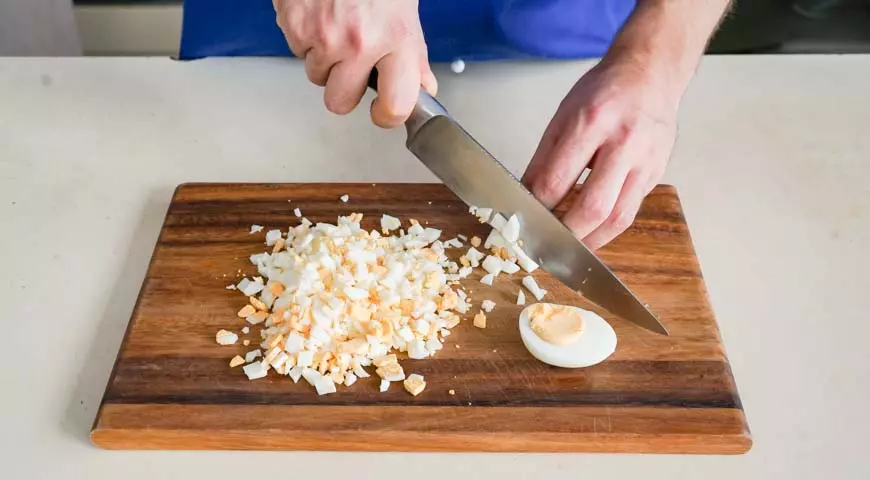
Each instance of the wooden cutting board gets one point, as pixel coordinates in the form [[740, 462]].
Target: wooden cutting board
[[172, 387]]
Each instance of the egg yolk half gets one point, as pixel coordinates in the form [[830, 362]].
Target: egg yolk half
[[556, 324]]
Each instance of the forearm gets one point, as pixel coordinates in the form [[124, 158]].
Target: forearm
[[666, 38]]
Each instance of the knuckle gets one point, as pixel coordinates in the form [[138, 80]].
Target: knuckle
[[622, 220], [357, 41], [549, 187], [324, 39], [594, 208], [599, 114]]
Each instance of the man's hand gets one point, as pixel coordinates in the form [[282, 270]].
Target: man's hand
[[342, 40], [620, 123], [620, 119]]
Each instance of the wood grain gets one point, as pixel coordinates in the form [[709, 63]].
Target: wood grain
[[172, 388]]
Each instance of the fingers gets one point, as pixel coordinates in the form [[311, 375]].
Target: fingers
[[398, 88], [318, 65], [598, 195], [428, 80], [564, 152], [346, 86], [630, 198]]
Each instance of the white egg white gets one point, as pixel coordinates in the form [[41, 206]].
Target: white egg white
[[595, 344]]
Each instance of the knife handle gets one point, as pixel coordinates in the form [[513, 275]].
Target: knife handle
[[373, 79]]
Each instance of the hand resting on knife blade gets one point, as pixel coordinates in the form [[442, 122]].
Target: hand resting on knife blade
[[619, 119]]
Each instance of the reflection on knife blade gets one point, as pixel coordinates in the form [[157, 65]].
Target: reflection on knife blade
[[478, 178]]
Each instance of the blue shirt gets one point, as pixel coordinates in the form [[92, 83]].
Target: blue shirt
[[467, 29]]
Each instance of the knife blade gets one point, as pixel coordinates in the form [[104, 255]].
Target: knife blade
[[477, 178]]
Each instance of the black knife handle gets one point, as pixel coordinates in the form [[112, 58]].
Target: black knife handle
[[373, 79]]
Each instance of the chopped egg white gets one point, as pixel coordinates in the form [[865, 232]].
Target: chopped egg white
[[385, 384], [509, 267], [225, 337], [487, 305], [414, 384], [474, 256], [256, 228], [252, 355], [324, 385], [272, 236], [295, 373], [250, 287], [297, 212], [498, 221], [530, 283], [511, 229], [487, 279], [255, 370], [494, 240], [492, 265], [344, 198], [524, 260], [521, 298], [389, 223], [483, 214]]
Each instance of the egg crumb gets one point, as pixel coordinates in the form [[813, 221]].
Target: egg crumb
[[391, 372], [246, 311], [475, 241], [414, 384], [487, 305], [530, 283], [451, 392], [480, 320], [257, 304], [225, 337], [236, 361]]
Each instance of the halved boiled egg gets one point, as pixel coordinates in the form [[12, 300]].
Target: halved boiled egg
[[566, 336]]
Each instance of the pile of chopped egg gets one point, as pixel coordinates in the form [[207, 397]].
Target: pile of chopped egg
[[335, 299]]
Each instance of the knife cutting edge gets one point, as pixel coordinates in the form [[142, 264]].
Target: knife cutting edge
[[477, 178]]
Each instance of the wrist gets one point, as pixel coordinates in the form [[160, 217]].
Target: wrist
[[664, 40], [655, 71]]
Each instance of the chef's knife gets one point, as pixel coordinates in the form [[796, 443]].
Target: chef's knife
[[479, 179]]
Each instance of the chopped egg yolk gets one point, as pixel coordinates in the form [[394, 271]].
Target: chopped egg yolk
[[556, 324], [414, 384], [480, 320]]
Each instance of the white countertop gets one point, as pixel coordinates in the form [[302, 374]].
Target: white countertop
[[772, 163]]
